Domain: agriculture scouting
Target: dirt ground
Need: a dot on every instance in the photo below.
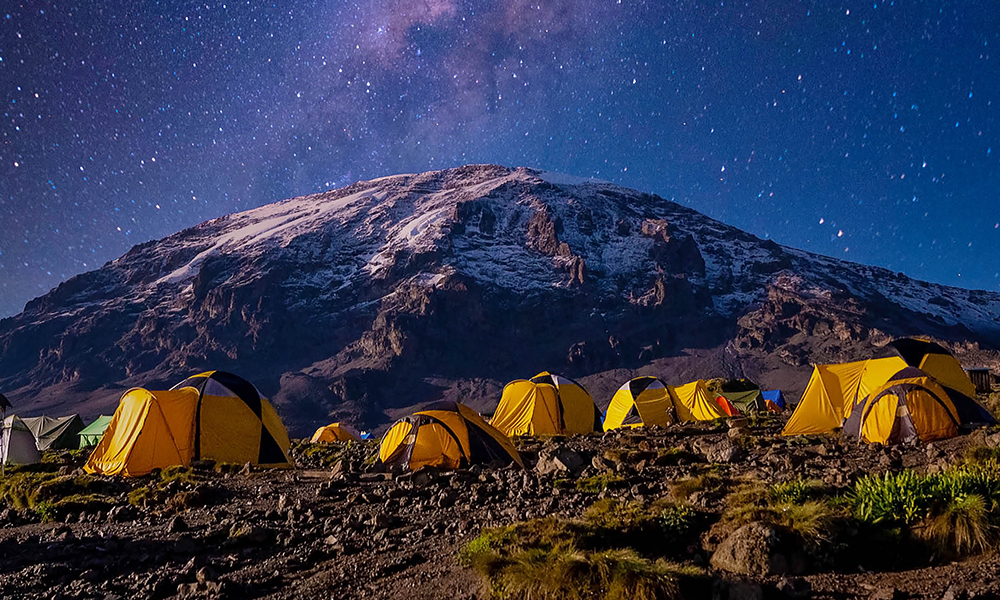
(343, 531)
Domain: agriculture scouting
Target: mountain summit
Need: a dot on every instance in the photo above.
(360, 302)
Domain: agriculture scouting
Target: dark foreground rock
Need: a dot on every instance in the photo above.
(345, 531)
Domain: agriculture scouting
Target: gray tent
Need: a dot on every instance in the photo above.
(17, 444)
(55, 433)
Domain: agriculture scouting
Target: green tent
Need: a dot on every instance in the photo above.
(54, 433)
(747, 402)
(91, 434)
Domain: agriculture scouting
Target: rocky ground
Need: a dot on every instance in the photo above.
(335, 528)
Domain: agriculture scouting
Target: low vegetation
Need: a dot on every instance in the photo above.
(957, 511)
(41, 489)
(798, 506)
(707, 481)
(175, 488)
(618, 550)
(599, 483)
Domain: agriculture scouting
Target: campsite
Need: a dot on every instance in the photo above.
(700, 490)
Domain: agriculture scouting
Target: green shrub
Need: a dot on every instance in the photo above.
(45, 510)
(794, 491)
(616, 515)
(675, 521)
(567, 573)
(18, 488)
(178, 473)
(890, 498)
(956, 511)
(785, 505)
(981, 454)
(906, 497)
(662, 527)
(478, 552)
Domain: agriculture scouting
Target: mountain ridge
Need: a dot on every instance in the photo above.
(364, 301)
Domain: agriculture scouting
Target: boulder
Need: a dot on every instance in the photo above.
(752, 550)
(726, 451)
(558, 460)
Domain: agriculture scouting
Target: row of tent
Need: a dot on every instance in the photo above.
(450, 435)
(922, 393)
(210, 416)
(46, 433)
(550, 404)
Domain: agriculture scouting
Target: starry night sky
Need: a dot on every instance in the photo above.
(861, 130)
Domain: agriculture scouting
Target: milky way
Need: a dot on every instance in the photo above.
(865, 131)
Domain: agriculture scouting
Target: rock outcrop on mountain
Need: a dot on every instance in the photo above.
(358, 303)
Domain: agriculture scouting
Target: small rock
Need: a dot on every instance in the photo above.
(63, 534)
(955, 592)
(794, 587)
(724, 452)
(886, 593)
(206, 574)
(91, 575)
(176, 525)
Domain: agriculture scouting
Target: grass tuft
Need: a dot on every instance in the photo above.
(961, 527)
(599, 483)
(682, 490)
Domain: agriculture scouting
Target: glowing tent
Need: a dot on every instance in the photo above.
(336, 432)
(448, 435)
(546, 404)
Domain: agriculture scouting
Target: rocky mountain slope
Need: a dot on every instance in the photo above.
(361, 302)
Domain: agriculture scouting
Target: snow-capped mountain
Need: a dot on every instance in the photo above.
(366, 300)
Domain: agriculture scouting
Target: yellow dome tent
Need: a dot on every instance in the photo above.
(336, 432)
(640, 401)
(910, 405)
(934, 360)
(448, 435)
(693, 402)
(215, 415)
(546, 404)
(833, 390)
(648, 401)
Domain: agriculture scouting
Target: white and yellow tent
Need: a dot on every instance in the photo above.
(547, 404)
(648, 401)
(214, 416)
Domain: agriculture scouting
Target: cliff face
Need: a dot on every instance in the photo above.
(363, 301)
